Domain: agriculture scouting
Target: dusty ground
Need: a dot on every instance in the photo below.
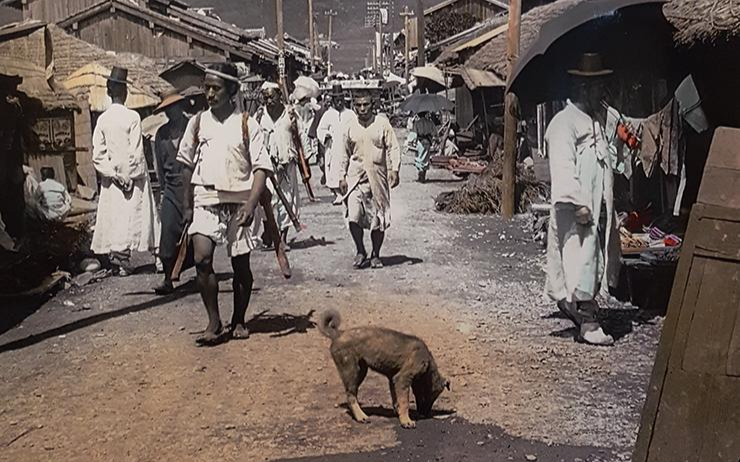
(109, 372)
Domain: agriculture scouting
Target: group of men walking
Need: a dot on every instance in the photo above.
(216, 167)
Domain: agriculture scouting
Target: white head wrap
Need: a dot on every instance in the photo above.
(269, 85)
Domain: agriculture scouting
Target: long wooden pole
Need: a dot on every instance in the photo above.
(330, 14)
(406, 15)
(280, 44)
(420, 34)
(508, 193)
(311, 48)
(380, 33)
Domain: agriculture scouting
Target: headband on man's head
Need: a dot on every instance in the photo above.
(270, 86)
(222, 75)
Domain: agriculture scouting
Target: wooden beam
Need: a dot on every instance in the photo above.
(508, 193)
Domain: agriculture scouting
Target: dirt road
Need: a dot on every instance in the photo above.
(110, 372)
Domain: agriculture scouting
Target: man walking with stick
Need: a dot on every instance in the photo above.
(278, 122)
(226, 167)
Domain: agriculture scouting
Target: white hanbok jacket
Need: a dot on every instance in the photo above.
(581, 260)
(331, 131)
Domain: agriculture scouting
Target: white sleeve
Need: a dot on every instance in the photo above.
(188, 145)
(560, 142)
(100, 157)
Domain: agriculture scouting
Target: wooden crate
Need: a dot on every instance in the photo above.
(692, 412)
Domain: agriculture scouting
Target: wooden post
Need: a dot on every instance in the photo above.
(330, 14)
(406, 15)
(281, 45)
(380, 33)
(508, 193)
(311, 48)
(420, 34)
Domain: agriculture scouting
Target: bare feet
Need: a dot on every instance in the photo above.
(239, 332)
(214, 335)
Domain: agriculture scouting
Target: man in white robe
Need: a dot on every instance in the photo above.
(278, 122)
(330, 133)
(127, 219)
(583, 246)
(370, 169)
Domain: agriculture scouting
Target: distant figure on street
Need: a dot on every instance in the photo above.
(583, 244)
(330, 132)
(278, 122)
(313, 135)
(425, 130)
(127, 218)
(170, 174)
(226, 167)
(370, 169)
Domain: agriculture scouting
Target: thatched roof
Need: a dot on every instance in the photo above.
(36, 86)
(71, 53)
(704, 21)
(492, 56)
(696, 21)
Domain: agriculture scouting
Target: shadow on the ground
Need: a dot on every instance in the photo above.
(281, 325)
(310, 243)
(17, 310)
(397, 260)
(91, 320)
(389, 413)
(445, 180)
(617, 323)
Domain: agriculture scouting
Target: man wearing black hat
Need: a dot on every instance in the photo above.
(127, 219)
(583, 245)
(170, 174)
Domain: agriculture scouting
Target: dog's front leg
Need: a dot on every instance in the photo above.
(394, 399)
(354, 407)
(402, 397)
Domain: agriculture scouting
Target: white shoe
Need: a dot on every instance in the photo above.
(597, 337)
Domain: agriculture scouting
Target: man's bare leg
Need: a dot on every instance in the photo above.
(377, 237)
(358, 237)
(243, 283)
(208, 286)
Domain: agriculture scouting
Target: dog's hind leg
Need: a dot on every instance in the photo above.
(394, 398)
(352, 375)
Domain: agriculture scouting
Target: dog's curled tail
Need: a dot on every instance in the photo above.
(329, 323)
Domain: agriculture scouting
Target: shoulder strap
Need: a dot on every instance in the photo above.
(196, 138)
(245, 129)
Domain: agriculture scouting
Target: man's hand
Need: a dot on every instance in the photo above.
(187, 216)
(245, 215)
(394, 179)
(583, 216)
(343, 186)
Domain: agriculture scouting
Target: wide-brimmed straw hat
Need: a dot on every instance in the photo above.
(169, 100)
(590, 65)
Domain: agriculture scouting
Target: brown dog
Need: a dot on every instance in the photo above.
(404, 359)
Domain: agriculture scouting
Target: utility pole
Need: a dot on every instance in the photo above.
(508, 194)
(310, 36)
(330, 14)
(406, 15)
(382, 42)
(281, 45)
(420, 34)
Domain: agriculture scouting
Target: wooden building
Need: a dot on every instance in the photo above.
(60, 55)
(164, 30)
